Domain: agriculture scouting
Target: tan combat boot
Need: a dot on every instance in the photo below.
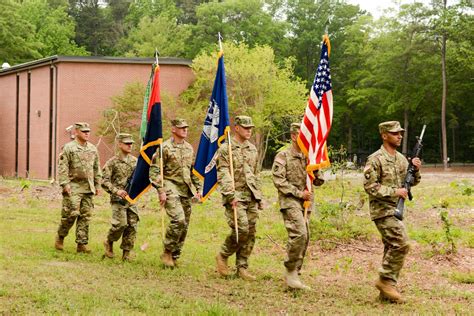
(109, 249)
(127, 256)
(59, 243)
(167, 259)
(222, 266)
(388, 290)
(244, 274)
(81, 248)
(294, 282)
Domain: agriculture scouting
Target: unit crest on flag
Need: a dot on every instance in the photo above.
(211, 123)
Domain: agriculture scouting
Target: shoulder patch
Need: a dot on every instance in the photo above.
(280, 158)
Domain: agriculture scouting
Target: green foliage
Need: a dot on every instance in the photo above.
(159, 32)
(123, 116)
(53, 28)
(95, 29)
(24, 184)
(463, 186)
(33, 30)
(256, 86)
(463, 277)
(447, 227)
(240, 22)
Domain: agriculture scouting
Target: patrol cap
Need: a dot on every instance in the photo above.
(244, 121)
(125, 138)
(179, 123)
(390, 127)
(82, 126)
(295, 128)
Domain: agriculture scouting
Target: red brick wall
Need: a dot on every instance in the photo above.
(22, 118)
(83, 91)
(7, 124)
(39, 123)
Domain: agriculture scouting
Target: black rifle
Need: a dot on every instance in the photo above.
(127, 188)
(410, 177)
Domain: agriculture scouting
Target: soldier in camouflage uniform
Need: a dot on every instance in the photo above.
(180, 185)
(79, 177)
(243, 193)
(117, 170)
(383, 178)
(289, 177)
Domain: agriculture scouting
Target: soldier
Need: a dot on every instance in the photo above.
(180, 185)
(117, 171)
(383, 177)
(289, 177)
(79, 177)
(243, 193)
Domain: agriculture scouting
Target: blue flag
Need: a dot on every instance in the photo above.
(140, 181)
(216, 128)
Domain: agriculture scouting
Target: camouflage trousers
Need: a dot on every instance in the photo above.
(77, 208)
(124, 224)
(178, 209)
(247, 215)
(298, 237)
(396, 247)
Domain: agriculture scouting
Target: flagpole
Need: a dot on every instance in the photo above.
(234, 208)
(162, 207)
(231, 164)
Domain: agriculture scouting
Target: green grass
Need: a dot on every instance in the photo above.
(341, 264)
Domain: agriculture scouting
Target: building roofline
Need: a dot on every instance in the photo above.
(93, 59)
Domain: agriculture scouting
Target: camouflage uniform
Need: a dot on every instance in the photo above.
(117, 170)
(289, 177)
(383, 174)
(247, 193)
(78, 168)
(180, 185)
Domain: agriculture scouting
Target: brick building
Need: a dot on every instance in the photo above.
(40, 99)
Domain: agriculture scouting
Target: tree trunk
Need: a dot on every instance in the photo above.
(349, 138)
(454, 146)
(405, 136)
(443, 100)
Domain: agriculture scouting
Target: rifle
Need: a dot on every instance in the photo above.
(410, 177)
(128, 184)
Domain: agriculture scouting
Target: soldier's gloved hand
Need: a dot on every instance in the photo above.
(260, 205)
(67, 189)
(122, 193)
(162, 197)
(307, 195)
(97, 191)
(402, 192)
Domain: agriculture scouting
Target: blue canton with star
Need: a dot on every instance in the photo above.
(322, 80)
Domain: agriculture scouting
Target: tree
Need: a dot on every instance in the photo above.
(239, 21)
(160, 32)
(125, 113)
(17, 42)
(53, 28)
(94, 27)
(256, 86)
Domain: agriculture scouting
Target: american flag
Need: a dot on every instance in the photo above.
(317, 119)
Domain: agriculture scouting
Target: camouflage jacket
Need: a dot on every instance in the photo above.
(246, 173)
(289, 177)
(383, 174)
(177, 164)
(117, 170)
(79, 167)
